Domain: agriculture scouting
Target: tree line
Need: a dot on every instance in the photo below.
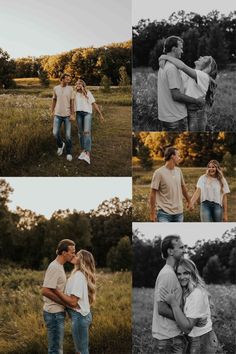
(213, 34)
(30, 240)
(215, 260)
(196, 149)
(90, 64)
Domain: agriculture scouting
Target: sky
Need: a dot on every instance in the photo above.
(190, 232)
(44, 195)
(158, 10)
(40, 27)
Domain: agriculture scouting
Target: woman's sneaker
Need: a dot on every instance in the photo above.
(81, 156)
(87, 158)
(60, 150)
(69, 157)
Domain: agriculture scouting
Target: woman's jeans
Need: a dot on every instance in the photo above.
(80, 330)
(162, 216)
(197, 118)
(84, 121)
(55, 329)
(207, 344)
(177, 126)
(174, 345)
(210, 211)
(57, 123)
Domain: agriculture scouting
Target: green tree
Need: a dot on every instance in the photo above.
(123, 77)
(228, 164)
(120, 257)
(43, 77)
(105, 84)
(145, 157)
(7, 70)
(213, 272)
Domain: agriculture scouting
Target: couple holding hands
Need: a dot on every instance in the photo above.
(65, 104)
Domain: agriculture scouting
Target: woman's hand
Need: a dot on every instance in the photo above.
(102, 119)
(225, 217)
(167, 296)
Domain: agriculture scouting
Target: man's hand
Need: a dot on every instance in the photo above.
(153, 217)
(201, 322)
(200, 102)
(52, 114)
(72, 117)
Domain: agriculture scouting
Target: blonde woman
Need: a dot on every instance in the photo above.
(84, 104)
(80, 291)
(212, 189)
(198, 82)
(195, 305)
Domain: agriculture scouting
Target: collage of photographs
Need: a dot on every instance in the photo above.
(117, 177)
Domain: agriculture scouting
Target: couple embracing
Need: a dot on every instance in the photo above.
(74, 295)
(181, 315)
(65, 104)
(185, 95)
(168, 188)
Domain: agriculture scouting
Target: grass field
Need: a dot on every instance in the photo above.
(224, 299)
(22, 329)
(28, 148)
(141, 191)
(145, 111)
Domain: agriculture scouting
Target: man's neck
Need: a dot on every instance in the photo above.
(170, 164)
(60, 260)
(171, 54)
(171, 262)
(63, 84)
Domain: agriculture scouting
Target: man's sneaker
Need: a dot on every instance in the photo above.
(81, 156)
(60, 150)
(69, 157)
(87, 158)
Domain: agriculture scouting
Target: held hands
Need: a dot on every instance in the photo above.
(153, 217)
(167, 296)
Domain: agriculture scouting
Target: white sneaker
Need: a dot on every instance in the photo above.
(81, 156)
(60, 150)
(69, 157)
(86, 158)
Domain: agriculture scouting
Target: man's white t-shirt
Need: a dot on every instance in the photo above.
(195, 88)
(83, 103)
(197, 306)
(211, 189)
(77, 285)
(163, 327)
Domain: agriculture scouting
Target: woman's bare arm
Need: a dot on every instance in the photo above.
(180, 65)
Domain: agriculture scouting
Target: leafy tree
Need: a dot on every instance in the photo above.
(105, 84)
(228, 164)
(7, 70)
(124, 79)
(144, 157)
(43, 77)
(213, 271)
(120, 257)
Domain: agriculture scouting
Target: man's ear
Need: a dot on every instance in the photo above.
(170, 251)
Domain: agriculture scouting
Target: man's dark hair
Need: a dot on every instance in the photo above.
(171, 42)
(169, 152)
(167, 243)
(63, 246)
(62, 77)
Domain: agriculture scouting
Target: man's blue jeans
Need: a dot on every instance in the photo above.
(84, 121)
(57, 123)
(162, 216)
(80, 330)
(55, 329)
(174, 345)
(177, 126)
(211, 212)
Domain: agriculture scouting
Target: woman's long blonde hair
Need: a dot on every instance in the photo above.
(86, 265)
(84, 90)
(219, 173)
(211, 69)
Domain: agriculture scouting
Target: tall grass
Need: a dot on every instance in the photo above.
(22, 329)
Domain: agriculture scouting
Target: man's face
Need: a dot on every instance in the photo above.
(176, 158)
(179, 49)
(178, 250)
(70, 254)
(66, 80)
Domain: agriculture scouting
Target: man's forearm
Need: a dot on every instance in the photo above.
(152, 204)
(54, 101)
(182, 98)
(185, 193)
(165, 310)
(52, 296)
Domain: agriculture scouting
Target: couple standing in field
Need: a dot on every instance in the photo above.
(74, 295)
(185, 95)
(168, 188)
(67, 103)
(182, 313)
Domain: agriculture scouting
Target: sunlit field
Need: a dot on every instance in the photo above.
(141, 191)
(224, 299)
(22, 329)
(28, 148)
(145, 111)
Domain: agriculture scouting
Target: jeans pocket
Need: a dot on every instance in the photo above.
(213, 339)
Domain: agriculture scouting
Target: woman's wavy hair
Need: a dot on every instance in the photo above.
(219, 173)
(190, 267)
(86, 265)
(211, 69)
(84, 88)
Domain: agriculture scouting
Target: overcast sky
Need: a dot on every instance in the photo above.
(190, 232)
(39, 27)
(158, 10)
(44, 195)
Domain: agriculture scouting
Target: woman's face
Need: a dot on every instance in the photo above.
(201, 63)
(211, 170)
(183, 276)
(79, 85)
(76, 259)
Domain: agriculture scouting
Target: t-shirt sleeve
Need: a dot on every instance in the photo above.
(203, 80)
(167, 281)
(196, 305)
(91, 97)
(225, 187)
(173, 77)
(182, 178)
(54, 93)
(156, 179)
(200, 182)
(51, 278)
(77, 285)
(72, 95)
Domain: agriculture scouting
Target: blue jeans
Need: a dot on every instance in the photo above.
(177, 126)
(162, 216)
(197, 118)
(210, 211)
(84, 121)
(57, 123)
(80, 330)
(207, 344)
(55, 329)
(174, 345)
